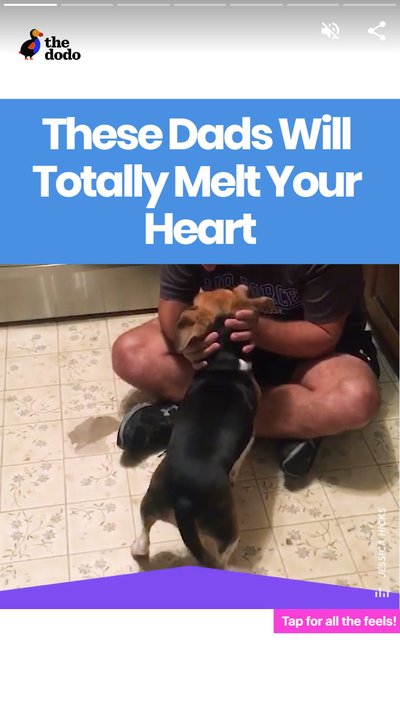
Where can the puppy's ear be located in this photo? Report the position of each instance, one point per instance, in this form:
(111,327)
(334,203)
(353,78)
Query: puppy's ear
(193,323)
(263,304)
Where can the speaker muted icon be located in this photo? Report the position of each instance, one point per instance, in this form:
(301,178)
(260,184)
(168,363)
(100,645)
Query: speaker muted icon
(373,30)
(330,30)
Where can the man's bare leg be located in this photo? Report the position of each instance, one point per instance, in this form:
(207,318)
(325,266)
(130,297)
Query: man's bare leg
(327,396)
(142,358)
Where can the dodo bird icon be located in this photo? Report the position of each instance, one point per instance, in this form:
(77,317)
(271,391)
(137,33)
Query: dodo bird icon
(32,45)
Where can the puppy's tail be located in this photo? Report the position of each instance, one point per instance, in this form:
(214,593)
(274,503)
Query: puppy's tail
(185,519)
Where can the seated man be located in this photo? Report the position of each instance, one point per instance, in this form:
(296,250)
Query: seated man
(312,357)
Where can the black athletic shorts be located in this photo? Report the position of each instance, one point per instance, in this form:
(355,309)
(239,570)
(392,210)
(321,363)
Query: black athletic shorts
(273,369)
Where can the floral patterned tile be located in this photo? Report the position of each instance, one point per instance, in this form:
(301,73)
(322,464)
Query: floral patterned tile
(31,485)
(31,573)
(32,533)
(120,324)
(366,535)
(82,335)
(102,564)
(32,371)
(343,452)
(102,524)
(119,561)
(3,342)
(286,507)
(359,490)
(251,513)
(160,532)
(83,366)
(264,459)
(85,399)
(85,437)
(32,443)
(314,549)
(389,408)
(383,440)
(139,476)
(346,581)
(391,474)
(32,405)
(32,340)
(388,582)
(257,553)
(98,477)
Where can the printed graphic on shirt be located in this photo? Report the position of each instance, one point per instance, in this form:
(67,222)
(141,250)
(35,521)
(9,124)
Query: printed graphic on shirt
(285,298)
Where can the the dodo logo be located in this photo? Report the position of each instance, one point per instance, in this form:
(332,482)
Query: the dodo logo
(32,45)
(55,48)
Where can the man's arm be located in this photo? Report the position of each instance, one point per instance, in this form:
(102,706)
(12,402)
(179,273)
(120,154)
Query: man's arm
(329,293)
(168,314)
(298,339)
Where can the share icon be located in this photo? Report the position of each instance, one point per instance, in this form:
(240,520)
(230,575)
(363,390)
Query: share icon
(373,30)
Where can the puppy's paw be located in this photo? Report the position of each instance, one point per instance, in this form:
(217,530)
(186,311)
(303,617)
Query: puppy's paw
(141,546)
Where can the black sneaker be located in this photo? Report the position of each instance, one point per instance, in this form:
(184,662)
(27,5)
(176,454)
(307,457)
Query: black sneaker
(298,456)
(146,427)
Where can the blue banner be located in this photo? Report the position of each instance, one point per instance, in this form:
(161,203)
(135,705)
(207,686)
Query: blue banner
(209,181)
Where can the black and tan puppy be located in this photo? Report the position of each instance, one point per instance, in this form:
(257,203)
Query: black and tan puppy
(213,431)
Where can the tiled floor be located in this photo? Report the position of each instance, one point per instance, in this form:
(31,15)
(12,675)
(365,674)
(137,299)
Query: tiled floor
(69,507)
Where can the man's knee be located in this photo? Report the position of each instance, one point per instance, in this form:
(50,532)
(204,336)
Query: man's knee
(128,355)
(360,400)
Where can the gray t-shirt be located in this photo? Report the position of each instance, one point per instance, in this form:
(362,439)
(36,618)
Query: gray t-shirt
(319,293)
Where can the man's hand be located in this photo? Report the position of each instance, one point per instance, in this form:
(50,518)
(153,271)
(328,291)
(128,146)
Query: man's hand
(245,328)
(199,349)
